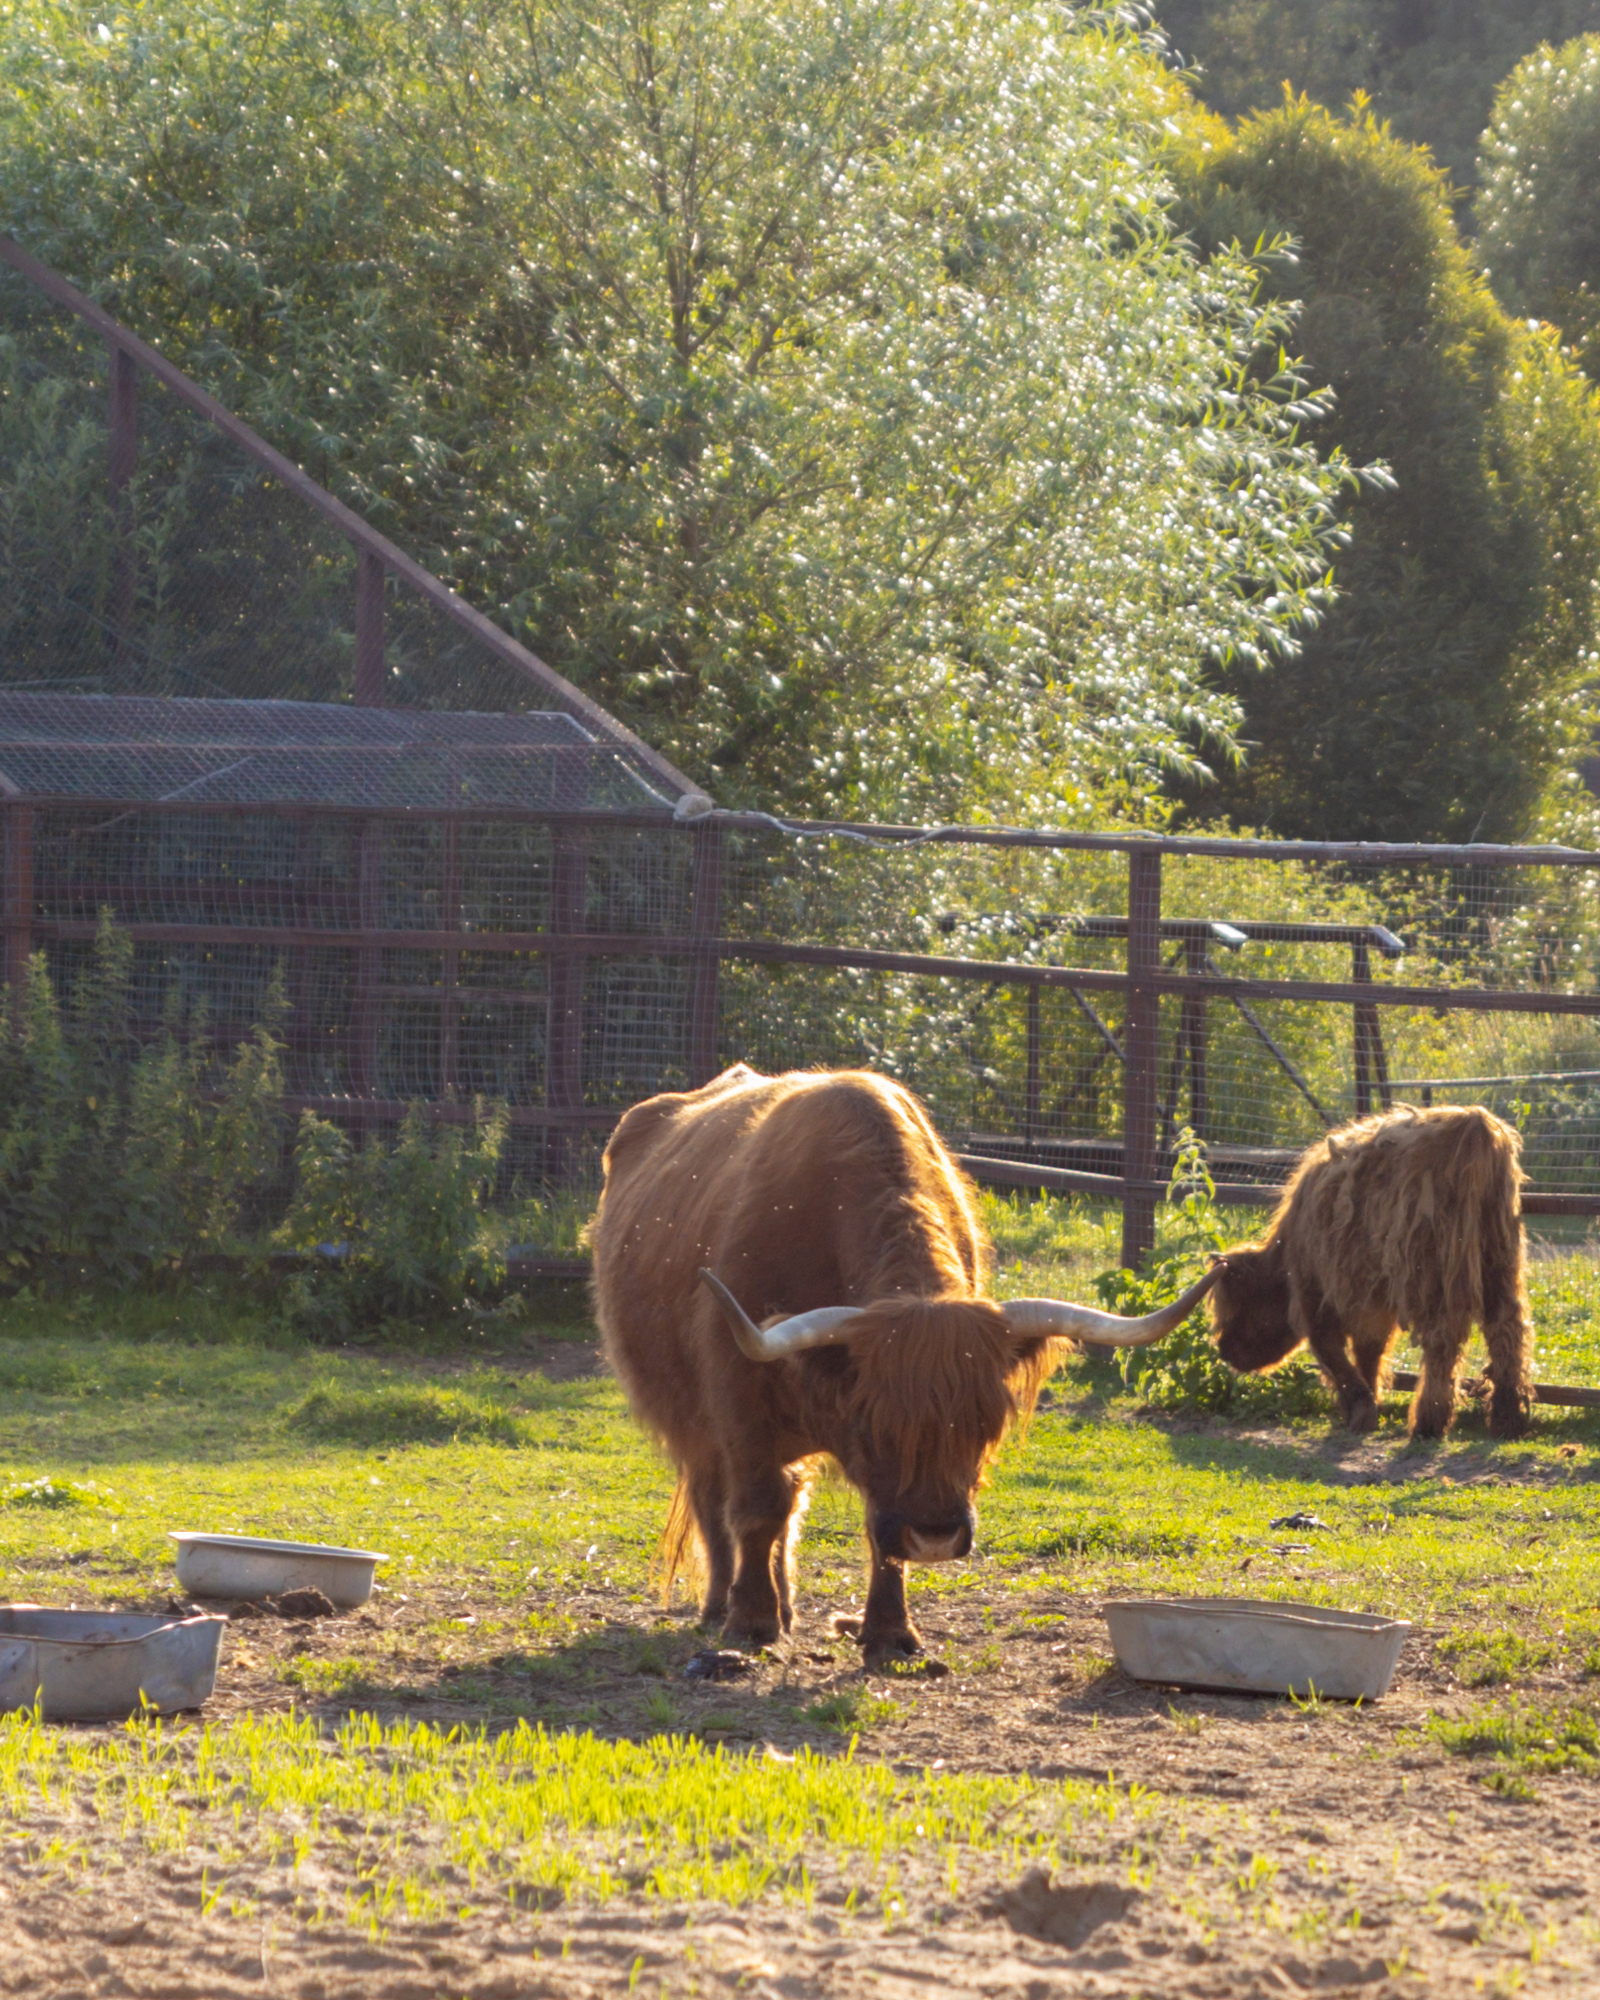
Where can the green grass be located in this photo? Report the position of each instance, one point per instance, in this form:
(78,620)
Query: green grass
(511,1491)
(1524,1738)
(529,1810)
(463,1468)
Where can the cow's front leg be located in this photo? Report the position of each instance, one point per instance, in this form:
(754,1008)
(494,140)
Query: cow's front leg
(759,1518)
(887,1632)
(1358,1406)
(708,1501)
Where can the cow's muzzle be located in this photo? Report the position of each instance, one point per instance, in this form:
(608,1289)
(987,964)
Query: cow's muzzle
(924,1541)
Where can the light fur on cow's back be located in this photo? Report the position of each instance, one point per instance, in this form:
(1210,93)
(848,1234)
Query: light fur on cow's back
(1405,1206)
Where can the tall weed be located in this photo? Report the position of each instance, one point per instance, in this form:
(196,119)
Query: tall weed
(122,1158)
(393,1233)
(1185,1371)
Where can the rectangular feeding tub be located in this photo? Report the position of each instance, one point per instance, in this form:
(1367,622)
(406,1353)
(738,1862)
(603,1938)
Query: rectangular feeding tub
(254,1566)
(1238,1645)
(99,1666)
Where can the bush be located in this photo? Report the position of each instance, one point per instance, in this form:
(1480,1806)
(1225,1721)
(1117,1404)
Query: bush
(392,1232)
(124,1159)
(1538,227)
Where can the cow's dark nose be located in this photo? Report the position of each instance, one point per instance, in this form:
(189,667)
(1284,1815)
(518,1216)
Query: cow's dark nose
(904,1540)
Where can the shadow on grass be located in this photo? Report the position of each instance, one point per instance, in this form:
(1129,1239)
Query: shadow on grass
(619,1681)
(1388,1458)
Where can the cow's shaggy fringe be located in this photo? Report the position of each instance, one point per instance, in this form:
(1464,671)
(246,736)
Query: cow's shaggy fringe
(1409,1219)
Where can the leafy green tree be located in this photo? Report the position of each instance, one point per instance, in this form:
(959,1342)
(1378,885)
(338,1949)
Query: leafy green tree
(822,387)
(1431,67)
(1443,696)
(1538,218)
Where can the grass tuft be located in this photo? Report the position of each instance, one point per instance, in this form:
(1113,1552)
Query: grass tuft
(1532,1738)
(398,1413)
(54,1493)
(1491,1659)
(849,1710)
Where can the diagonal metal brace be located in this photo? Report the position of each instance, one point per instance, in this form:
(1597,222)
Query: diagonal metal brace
(1279,1054)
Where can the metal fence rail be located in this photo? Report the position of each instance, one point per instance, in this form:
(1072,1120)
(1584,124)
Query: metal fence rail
(568,964)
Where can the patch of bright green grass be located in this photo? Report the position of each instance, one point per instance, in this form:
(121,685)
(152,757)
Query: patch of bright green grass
(852,1708)
(1525,1737)
(323,1447)
(405,1413)
(328,1679)
(1491,1659)
(525,1809)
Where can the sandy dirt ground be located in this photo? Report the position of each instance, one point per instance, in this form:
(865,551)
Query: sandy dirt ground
(1397,1873)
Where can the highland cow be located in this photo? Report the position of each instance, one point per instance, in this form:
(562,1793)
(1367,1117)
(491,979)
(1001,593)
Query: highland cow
(787,1268)
(1411,1219)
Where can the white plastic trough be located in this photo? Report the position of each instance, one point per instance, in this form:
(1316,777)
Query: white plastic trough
(1238,1645)
(98,1666)
(254,1566)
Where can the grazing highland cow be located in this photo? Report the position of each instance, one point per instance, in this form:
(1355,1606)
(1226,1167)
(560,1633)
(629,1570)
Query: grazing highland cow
(787,1268)
(1411,1219)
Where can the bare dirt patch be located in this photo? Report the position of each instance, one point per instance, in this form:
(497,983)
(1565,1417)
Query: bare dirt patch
(1274,1849)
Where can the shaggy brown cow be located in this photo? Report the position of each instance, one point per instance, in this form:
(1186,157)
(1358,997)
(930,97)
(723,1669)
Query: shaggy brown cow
(825,1207)
(1411,1219)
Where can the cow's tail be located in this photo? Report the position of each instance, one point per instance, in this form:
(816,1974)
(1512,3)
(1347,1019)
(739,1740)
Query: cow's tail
(680,1541)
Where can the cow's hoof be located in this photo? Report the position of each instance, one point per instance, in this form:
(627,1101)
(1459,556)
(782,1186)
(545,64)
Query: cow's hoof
(1361,1418)
(887,1649)
(1510,1420)
(750,1635)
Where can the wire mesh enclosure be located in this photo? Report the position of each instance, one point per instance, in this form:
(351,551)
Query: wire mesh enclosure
(244,727)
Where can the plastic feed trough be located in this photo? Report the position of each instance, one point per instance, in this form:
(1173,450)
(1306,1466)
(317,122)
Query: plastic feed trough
(1236,1645)
(253,1566)
(98,1666)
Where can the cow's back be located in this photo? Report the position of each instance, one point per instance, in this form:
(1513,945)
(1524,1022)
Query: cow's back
(799,1191)
(1407,1206)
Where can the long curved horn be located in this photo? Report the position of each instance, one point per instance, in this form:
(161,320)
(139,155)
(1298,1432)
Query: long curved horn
(1054,1317)
(823,1327)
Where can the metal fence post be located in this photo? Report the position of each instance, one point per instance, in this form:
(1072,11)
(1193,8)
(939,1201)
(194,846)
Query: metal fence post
(705,920)
(122,457)
(1033,1087)
(1141,1082)
(369,688)
(563,1056)
(18,903)
(1372,1062)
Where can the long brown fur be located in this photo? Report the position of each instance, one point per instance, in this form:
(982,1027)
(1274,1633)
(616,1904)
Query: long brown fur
(799,1191)
(1410,1219)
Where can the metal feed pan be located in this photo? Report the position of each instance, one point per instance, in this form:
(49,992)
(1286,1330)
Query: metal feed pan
(97,1666)
(239,1566)
(1238,1645)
